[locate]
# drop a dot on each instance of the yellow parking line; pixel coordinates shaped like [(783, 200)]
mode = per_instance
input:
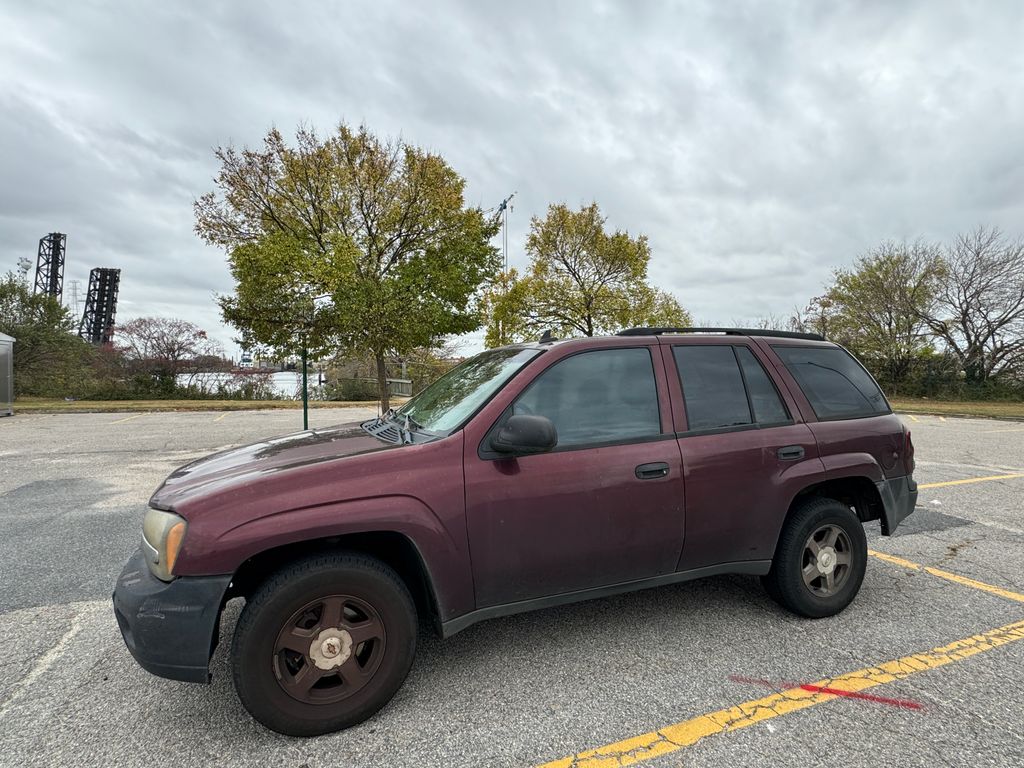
[(673, 738), (948, 576), (221, 416), (976, 584), (128, 418), (913, 417), (971, 480), (896, 560), (942, 418)]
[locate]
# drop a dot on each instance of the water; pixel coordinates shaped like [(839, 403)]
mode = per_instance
[(286, 385)]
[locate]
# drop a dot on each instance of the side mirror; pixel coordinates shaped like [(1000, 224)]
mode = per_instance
[(523, 435)]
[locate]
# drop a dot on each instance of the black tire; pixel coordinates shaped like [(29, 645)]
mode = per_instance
[(268, 676), (794, 563)]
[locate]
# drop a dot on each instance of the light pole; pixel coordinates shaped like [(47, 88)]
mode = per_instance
[(305, 360), (305, 389)]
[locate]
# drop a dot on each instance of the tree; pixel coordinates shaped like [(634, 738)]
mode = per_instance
[(164, 348), (505, 324), (376, 230), (979, 309), (49, 359), (877, 307), (581, 281)]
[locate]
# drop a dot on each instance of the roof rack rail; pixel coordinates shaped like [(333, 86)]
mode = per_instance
[(660, 331)]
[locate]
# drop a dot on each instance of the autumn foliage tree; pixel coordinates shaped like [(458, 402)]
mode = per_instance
[(877, 307), (347, 241), (952, 314), (164, 348), (582, 281), (49, 358)]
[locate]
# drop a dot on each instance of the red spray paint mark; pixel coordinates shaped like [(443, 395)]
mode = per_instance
[(903, 703)]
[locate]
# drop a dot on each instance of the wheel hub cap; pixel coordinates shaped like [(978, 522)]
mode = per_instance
[(331, 648), (826, 560)]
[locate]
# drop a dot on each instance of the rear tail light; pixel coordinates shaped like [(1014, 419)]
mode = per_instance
[(908, 452)]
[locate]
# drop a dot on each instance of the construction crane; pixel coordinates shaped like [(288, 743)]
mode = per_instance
[(503, 211)]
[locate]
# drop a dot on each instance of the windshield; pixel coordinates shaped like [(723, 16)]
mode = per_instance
[(454, 397)]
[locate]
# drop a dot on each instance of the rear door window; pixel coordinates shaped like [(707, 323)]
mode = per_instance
[(712, 387), (764, 397), (836, 385), (604, 396), (725, 386)]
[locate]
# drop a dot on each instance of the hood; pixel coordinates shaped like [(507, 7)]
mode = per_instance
[(248, 463)]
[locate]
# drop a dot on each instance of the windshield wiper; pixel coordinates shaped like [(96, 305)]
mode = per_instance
[(403, 421), (406, 422)]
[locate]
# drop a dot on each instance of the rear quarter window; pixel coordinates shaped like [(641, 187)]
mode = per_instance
[(836, 385)]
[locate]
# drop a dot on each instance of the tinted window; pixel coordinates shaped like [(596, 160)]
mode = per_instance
[(835, 384), (597, 397), (712, 387), (768, 406)]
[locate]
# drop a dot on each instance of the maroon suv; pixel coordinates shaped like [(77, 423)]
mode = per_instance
[(529, 476)]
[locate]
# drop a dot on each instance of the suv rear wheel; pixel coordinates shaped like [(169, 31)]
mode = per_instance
[(820, 561), (323, 644)]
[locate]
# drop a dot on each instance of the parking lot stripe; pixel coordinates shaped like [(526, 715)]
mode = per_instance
[(221, 416), (128, 418), (673, 738), (913, 417), (969, 480), (904, 703), (974, 584), (896, 560)]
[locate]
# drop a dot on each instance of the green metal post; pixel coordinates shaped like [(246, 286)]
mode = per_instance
[(305, 391)]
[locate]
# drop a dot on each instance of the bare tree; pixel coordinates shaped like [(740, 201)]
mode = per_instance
[(165, 347), (773, 322), (979, 309)]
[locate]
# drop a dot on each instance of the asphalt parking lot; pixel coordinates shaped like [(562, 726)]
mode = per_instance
[(922, 669)]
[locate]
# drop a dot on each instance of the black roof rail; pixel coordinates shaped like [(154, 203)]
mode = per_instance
[(659, 331)]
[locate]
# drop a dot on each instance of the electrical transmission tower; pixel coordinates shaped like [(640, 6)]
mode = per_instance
[(24, 265), (50, 265), (97, 324), (74, 305)]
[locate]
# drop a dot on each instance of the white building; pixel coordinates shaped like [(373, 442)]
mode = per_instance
[(6, 375)]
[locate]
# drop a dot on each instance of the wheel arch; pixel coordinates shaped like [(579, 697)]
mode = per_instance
[(855, 491), (393, 548)]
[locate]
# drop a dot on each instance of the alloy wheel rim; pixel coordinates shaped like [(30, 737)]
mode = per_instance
[(827, 560), (329, 649)]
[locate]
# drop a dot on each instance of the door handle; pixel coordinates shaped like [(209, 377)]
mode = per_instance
[(790, 453), (652, 471)]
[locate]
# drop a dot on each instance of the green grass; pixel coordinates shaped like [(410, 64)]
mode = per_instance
[(48, 405), (985, 408)]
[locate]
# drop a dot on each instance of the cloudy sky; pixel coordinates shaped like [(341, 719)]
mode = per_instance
[(758, 145)]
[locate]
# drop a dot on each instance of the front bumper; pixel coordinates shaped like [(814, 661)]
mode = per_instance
[(171, 628), (899, 497)]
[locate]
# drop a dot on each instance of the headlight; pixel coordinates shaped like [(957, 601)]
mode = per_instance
[(162, 534)]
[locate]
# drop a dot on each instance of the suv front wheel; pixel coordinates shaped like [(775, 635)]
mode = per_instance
[(323, 644), (820, 561)]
